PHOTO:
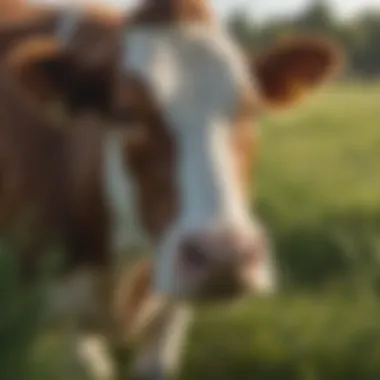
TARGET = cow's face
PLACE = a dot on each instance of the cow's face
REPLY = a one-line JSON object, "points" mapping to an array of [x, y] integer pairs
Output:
{"points": [[208, 96], [184, 83], [201, 88]]}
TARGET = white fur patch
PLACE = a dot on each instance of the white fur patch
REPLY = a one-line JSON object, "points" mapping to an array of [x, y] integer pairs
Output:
{"points": [[93, 352], [197, 77], [121, 196], [161, 354], [265, 278]]}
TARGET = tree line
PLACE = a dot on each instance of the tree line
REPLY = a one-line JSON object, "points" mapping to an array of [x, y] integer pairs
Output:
{"points": [[359, 37]]}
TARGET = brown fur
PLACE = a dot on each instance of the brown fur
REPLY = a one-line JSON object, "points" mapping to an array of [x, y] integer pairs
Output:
{"points": [[292, 68], [172, 11], [246, 139], [31, 49], [54, 174], [152, 158], [15, 10]]}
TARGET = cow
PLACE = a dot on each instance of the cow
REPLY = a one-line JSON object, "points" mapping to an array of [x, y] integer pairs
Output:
{"points": [[160, 158]]}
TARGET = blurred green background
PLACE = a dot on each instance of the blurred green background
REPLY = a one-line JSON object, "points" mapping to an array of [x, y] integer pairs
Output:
{"points": [[319, 193]]}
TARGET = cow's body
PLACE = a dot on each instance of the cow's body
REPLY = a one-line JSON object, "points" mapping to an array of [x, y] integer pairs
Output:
{"points": [[159, 154]]}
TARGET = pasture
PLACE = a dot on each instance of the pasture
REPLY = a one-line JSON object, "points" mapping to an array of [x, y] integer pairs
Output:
{"points": [[319, 191]]}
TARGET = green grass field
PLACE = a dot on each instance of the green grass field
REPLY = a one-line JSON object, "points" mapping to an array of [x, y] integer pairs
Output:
{"points": [[319, 193], [319, 187]]}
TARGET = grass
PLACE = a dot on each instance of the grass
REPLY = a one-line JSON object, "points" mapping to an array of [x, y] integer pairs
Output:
{"points": [[299, 337], [319, 192], [319, 188]]}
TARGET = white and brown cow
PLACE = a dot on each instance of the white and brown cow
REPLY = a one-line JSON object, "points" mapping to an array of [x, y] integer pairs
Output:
{"points": [[165, 164]]}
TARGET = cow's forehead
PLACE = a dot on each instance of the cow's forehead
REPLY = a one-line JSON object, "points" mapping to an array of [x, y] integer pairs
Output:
{"points": [[187, 67]]}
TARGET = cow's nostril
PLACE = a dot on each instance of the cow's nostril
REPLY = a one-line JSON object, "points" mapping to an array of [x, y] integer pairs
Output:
{"points": [[194, 255]]}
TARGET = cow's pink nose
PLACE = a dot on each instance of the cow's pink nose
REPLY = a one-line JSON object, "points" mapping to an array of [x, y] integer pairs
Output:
{"points": [[202, 252], [217, 260]]}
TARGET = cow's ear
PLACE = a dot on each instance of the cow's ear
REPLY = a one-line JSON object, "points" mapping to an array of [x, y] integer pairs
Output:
{"points": [[291, 70], [53, 74], [27, 62], [72, 65]]}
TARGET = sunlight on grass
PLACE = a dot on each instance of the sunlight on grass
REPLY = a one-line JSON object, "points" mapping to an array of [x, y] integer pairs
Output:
{"points": [[324, 152], [319, 193]]}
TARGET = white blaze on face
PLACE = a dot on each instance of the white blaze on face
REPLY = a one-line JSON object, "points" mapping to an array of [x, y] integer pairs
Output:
{"points": [[196, 76]]}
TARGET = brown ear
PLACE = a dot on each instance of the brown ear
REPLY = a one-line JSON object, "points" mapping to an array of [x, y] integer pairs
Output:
{"points": [[53, 74], [25, 62], [76, 68], [290, 71]]}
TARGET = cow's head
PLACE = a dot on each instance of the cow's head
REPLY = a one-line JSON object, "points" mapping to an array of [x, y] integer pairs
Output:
{"points": [[184, 84], [208, 97]]}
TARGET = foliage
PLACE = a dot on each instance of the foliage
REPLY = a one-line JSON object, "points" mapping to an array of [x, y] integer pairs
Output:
{"points": [[303, 337], [318, 186], [18, 319], [360, 38]]}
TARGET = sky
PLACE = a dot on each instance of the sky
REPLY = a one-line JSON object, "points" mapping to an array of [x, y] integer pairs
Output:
{"points": [[266, 9]]}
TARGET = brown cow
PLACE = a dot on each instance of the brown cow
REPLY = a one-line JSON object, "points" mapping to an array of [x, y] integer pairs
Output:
{"points": [[168, 167]]}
